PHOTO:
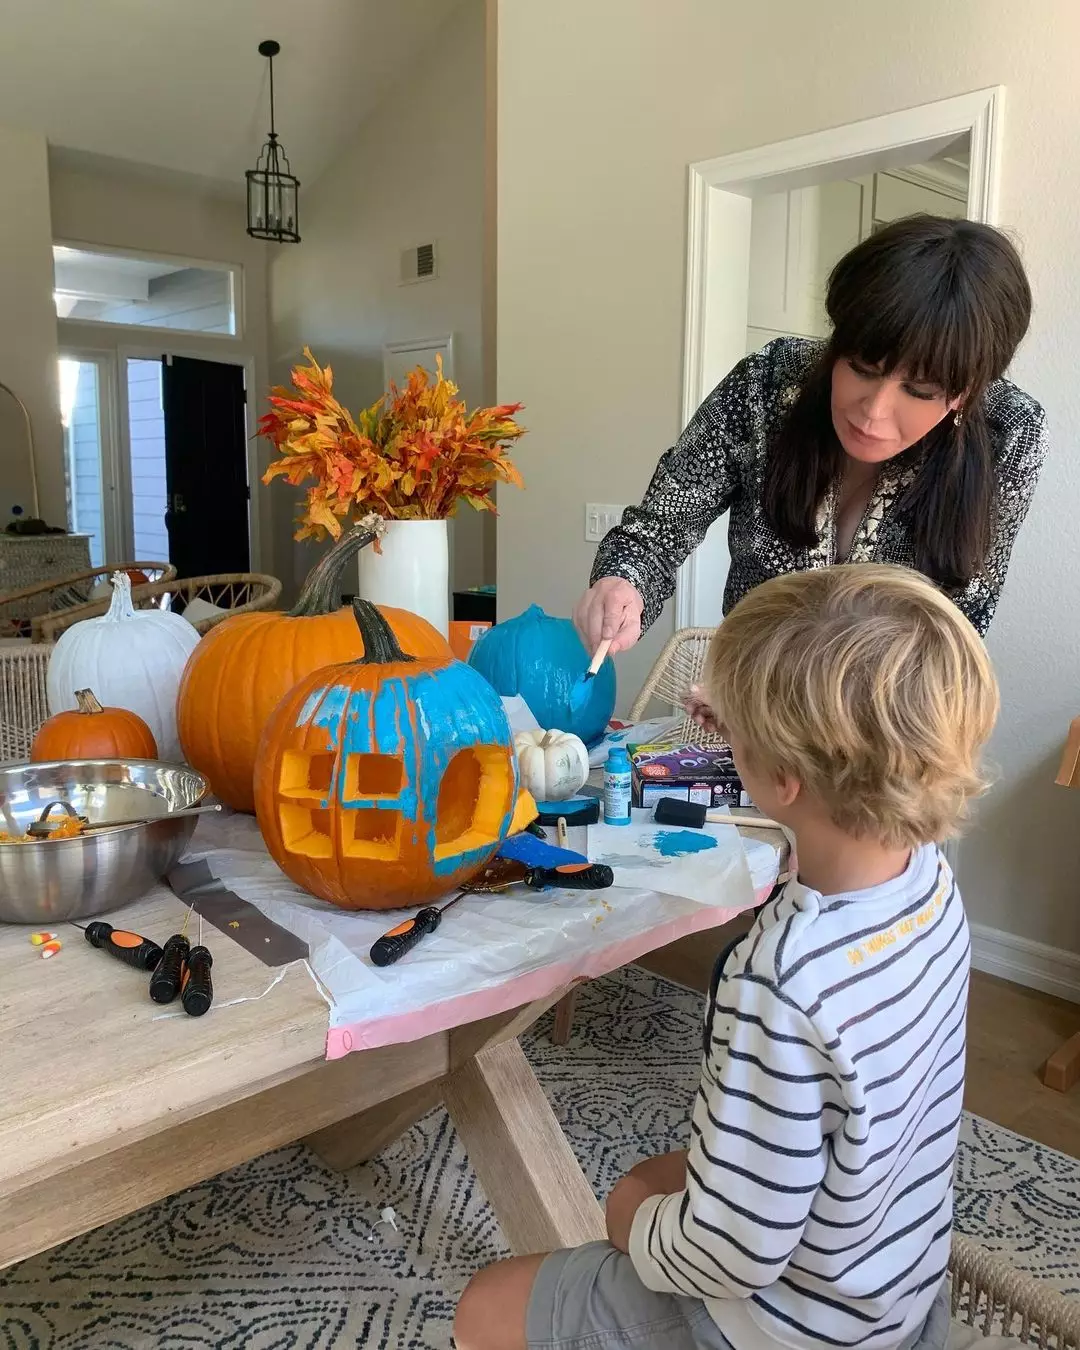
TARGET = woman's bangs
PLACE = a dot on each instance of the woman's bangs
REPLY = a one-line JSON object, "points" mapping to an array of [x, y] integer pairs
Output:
{"points": [[929, 337]]}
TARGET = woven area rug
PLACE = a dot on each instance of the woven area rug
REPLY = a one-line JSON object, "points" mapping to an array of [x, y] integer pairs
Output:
{"points": [[282, 1253]]}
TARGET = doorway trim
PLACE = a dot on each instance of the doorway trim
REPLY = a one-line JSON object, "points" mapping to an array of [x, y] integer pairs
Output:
{"points": [[720, 191]]}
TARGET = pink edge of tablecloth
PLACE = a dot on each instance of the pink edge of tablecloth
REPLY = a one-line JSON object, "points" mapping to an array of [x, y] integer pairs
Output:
{"points": [[515, 993]]}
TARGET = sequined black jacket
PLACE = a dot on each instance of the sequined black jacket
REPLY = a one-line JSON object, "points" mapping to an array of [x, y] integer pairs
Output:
{"points": [[718, 464]]}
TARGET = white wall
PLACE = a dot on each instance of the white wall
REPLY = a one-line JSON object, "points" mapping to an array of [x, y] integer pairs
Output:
{"points": [[94, 202], [413, 173], [28, 333], [601, 108]]}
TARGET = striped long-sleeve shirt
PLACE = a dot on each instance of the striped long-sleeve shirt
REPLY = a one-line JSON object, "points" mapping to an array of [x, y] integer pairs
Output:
{"points": [[818, 1204]]}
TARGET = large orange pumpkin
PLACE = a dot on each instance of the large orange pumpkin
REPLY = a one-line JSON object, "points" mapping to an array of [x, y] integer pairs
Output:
{"points": [[92, 732], [386, 781], [245, 665]]}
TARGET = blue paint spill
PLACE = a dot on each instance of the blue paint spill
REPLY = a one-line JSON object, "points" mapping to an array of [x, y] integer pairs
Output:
{"points": [[677, 843]]}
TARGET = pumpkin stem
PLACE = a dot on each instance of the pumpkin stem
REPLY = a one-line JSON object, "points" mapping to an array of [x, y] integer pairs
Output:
{"points": [[380, 645], [321, 593], [86, 701], [120, 606]]}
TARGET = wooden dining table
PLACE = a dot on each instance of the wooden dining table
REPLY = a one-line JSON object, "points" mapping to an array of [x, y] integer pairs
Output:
{"points": [[109, 1102]]}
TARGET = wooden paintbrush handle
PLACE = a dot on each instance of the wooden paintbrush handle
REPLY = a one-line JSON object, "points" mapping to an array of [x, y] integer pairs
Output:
{"points": [[749, 822], [600, 656]]}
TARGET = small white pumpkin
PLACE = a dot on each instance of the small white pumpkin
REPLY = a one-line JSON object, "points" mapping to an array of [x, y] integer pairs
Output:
{"points": [[553, 764], [131, 658]]}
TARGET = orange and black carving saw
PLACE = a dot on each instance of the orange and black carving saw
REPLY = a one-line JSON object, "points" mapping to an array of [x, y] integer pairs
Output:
{"points": [[496, 876]]}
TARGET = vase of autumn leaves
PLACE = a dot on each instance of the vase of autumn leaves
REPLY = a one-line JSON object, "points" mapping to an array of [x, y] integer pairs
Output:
{"points": [[402, 467]]}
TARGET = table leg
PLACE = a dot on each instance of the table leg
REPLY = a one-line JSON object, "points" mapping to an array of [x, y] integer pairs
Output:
{"points": [[564, 1018], [359, 1138], [525, 1164], [1063, 1067]]}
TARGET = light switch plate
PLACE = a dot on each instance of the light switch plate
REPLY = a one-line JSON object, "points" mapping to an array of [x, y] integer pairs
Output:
{"points": [[599, 518]]}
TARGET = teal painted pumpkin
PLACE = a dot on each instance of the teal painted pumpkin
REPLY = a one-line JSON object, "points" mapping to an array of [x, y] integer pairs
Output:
{"points": [[388, 781], [541, 659]]}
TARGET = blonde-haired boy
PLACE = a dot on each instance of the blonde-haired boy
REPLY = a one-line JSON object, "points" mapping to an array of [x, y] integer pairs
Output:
{"points": [[814, 1204]]}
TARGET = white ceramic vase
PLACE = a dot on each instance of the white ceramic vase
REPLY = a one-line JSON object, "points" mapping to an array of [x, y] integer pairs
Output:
{"points": [[412, 572]]}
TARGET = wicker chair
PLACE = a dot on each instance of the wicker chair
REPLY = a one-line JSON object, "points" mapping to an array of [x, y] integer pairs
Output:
{"points": [[230, 592], [991, 1296], [678, 666], [23, 703], [19, 609]]}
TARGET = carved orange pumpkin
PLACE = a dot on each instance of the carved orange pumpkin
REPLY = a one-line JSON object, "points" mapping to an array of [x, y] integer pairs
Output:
{"points": [[245, 665], [93, 732], [387, 781]]}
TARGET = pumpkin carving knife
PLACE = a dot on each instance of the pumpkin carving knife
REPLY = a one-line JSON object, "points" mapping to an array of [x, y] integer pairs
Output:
{"points": [[499, 876]]}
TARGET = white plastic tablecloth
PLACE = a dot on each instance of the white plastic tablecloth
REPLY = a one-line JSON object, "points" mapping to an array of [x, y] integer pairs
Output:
{"points": [[491, 954]]}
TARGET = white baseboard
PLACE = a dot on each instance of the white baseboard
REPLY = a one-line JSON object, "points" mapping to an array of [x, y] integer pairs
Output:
{"points": [[1025, 962]]}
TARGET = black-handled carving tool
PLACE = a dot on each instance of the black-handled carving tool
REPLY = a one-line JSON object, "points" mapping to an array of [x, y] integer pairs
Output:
{"points": [[392, 946], [499, 875], [570, 877], [168, 976], [131, 948], [196, 987]]}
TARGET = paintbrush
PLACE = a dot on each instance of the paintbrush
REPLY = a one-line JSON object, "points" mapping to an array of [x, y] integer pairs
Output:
{"points": [[579, 694]]}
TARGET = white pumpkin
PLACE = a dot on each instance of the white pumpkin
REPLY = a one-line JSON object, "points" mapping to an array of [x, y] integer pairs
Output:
{"points": [[553, 764], [131, 658]]}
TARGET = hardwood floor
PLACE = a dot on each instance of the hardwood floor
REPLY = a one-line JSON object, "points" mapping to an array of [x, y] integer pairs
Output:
{"points": [[1011, 1032]]}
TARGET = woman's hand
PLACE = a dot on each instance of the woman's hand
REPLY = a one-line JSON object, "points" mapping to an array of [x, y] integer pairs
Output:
{"points": [[699, 711], [611, 609]]}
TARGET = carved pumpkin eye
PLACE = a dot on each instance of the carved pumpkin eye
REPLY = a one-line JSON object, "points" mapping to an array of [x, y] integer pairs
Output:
{"points": [[305, 783], [374, 832], [372, 776]]}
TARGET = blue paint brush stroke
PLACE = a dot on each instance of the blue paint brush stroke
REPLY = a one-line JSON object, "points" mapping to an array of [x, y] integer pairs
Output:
{"points": [[677, 843]]}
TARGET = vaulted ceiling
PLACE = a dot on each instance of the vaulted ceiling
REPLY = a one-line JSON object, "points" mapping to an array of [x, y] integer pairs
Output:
{"points": [[179, 84]]}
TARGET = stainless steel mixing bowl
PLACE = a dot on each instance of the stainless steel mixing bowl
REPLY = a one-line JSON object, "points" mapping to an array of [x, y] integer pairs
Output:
{"points": [[53, 880]]}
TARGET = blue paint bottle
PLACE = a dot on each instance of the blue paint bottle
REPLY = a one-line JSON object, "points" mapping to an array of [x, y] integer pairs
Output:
{"points": [[617, 787]]}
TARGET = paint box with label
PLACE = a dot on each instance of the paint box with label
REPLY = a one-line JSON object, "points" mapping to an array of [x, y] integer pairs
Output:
{"points": [[688, 773]]}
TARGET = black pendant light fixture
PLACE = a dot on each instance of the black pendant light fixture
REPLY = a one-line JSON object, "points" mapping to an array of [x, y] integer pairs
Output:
{"points": [[272, 191]]}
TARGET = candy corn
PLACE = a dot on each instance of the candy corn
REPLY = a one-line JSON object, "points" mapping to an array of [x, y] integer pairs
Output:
{"points": [[50, 949], [40, 939]]}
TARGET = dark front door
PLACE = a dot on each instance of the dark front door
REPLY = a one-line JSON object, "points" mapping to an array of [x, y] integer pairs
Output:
{"points": [[205, 466]]}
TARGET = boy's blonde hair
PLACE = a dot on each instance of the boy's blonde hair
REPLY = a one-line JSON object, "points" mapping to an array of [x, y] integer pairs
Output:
{"points": [[866, 684]]}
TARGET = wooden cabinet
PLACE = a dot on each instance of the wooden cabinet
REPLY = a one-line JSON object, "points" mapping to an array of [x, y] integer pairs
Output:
{"points": [[797, 237]]}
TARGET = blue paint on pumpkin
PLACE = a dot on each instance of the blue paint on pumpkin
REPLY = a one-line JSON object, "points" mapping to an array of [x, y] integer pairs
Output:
{"points": [[424, 719], [677, 843], [541, 659]]}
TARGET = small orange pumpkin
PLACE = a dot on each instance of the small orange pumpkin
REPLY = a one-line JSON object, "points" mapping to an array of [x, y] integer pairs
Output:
{"points": [[246, 665], [387, 781], [92, 732]]}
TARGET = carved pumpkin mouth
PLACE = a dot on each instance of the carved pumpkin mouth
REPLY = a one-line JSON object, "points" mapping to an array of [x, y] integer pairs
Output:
{"points": [[472, 798]]}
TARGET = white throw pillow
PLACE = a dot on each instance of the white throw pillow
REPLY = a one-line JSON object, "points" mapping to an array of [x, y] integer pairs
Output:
{"points": [[196, 610]]}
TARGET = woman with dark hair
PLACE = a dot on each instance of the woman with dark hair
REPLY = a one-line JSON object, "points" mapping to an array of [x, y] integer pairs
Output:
{"points": [[896, 440]]}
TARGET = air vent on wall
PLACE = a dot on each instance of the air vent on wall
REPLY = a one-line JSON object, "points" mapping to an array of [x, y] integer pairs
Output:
{"points": [[419, 264]]}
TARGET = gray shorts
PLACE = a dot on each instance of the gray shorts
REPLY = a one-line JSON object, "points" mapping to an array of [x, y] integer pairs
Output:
{"points": [[590, 1298]]}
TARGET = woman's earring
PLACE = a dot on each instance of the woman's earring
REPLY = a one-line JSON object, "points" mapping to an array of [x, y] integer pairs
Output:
{"points": [[958, 417]]}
